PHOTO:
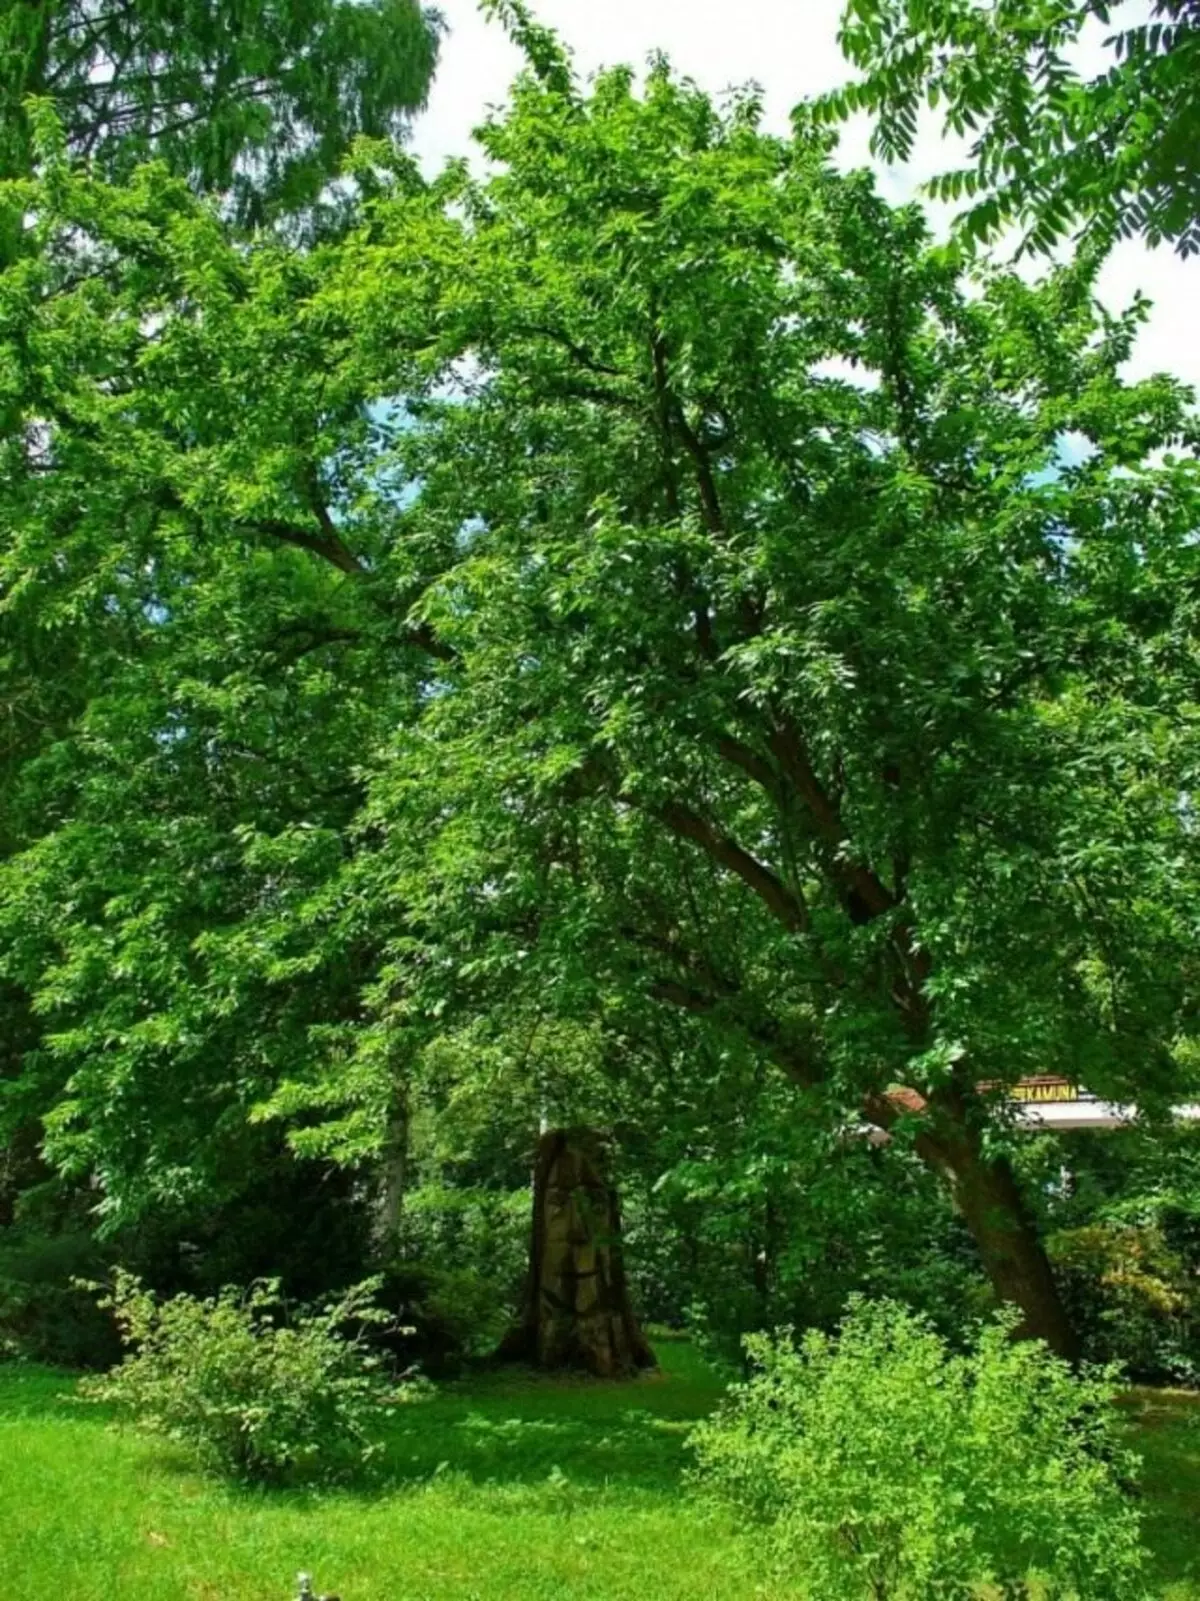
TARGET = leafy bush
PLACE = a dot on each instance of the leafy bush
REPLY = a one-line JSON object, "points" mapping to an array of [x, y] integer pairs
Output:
{"points": [[885, 1465], [442, 1317], [1134, 1298], [455, 1272], [45, 1315], [252, 1394]]}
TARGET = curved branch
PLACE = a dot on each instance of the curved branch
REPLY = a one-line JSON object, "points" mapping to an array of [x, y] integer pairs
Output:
{"points": [[329, 546], [867, 896], [785, 905]]}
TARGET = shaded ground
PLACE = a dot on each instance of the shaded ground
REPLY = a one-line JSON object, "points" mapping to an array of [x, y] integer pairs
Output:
{"points": [[502, 1490], [1167, 1425]]}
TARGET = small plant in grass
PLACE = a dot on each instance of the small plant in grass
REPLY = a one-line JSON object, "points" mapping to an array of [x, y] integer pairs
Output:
{"points": [[254, 1394], [887, 1466]]}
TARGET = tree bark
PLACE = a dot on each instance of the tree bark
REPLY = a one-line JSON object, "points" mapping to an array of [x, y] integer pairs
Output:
{"points": [[577, 1312], [392, 1177], [986, 1192], [1013, 1255]]}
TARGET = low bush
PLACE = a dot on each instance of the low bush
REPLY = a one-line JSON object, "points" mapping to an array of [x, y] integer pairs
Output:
{"points": [[444, 1318], [253, 1393], [887, 1466]]}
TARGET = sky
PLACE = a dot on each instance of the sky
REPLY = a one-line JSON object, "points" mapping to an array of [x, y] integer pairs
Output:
{"points": [[788, 47]]}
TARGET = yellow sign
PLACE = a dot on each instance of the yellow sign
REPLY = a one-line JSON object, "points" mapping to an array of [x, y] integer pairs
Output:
{"points": [[1042, 1092]]}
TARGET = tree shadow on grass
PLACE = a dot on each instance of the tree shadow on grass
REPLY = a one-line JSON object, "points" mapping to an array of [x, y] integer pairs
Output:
{"points": [[512, 1427], [501, 1442], [29, 1392], [504, 1428]]}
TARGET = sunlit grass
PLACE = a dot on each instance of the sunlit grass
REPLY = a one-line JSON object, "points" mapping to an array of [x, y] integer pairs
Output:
{"points": [[1167, 1425], [501, 1491], [496, 1490]]}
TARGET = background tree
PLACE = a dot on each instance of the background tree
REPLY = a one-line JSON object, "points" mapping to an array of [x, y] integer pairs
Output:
{"points": [[259, 103], [1052, 150], [261, 99], [700, 658]]}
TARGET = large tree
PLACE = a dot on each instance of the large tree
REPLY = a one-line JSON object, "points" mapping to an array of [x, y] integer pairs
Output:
{"points": [[686, 575], [1051, 149]]}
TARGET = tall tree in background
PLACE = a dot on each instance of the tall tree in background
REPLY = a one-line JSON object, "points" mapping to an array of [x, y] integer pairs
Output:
{"points": [[643, 580], [258, 102], [1052, 151], [259, 97]]}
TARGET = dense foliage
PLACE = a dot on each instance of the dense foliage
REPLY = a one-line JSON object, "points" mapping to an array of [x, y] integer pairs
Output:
{"points": [[884, 1466], [1051, 149], [260, 100], [1122, 1214], [632, 639], [46, 1312], [631, 615]]}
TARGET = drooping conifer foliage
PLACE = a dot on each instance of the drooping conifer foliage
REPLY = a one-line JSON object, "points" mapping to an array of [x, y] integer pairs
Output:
{"points": [[263, 97]]}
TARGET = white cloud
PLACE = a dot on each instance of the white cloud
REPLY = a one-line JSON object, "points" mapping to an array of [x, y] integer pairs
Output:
{"points": [[790, 48]]}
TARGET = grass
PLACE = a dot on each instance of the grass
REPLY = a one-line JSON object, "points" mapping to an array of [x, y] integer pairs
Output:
{"points": [[1167, 1434], [507, 1490], [503, 1490]]}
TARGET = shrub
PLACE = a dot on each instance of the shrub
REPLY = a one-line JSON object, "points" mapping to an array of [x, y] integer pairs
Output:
{"points": [[253, 1394], [444, 1317], [1134, 1298], [885, 1465]]}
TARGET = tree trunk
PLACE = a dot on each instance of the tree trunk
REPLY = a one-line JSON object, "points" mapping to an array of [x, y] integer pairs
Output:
{"points": [[392, 1176], [577, 1312], [987, 1195], [1013, 1255]]}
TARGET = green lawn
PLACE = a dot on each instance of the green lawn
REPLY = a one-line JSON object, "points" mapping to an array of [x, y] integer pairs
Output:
{"points": [[502, 1491], [1167, 1433]]}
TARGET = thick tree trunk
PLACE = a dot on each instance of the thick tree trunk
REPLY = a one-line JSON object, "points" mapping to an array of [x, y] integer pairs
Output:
{"points": [[987, 1195], [577, 1312], [1013, 1254]]}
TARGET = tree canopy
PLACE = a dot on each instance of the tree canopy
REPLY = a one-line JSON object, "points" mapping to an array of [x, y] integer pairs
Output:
{"points": [[644, 582], [1052, 150]]}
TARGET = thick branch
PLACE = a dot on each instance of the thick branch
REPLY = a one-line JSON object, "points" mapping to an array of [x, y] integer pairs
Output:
{"points": [[871, 896], [796, 1062], [329, 546], [422, 636], [317, 640], [714, 517], [786, 906], [578, 352], [750, 762], [663, 408], [672, 419]]}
